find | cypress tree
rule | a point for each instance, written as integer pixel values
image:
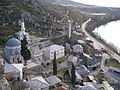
(73, 75)
(25, 52)
(54, 65)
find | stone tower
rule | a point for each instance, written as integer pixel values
(69, 29)
(22, 25)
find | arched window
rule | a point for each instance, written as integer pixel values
(19, 61)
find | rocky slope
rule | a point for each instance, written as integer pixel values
(41, 17)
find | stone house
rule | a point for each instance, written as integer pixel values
(14, 71)
(48, 52)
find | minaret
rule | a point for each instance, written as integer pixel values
(69, 28)
(21, 34)
(22, 25)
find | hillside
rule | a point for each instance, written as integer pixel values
(41, 17)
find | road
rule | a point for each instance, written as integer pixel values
(65, 16)
(97, 44)
(114, 75)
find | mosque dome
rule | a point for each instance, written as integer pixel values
(13, 42)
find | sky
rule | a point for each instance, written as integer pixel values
(106, 3)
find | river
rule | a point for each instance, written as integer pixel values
(110, 32)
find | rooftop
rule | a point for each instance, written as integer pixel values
(53, 80)
(59, 88)
(12, 53)
(87, 88)
(97, 51)
(77, 46)
(40, 78)
(37, 83)
(106, 86)
(81, 41)
(72, 58)
(114, 68)
(21, 32)
(13, 68)
(82, 70)
(53, 48)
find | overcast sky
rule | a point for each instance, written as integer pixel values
(107, 3)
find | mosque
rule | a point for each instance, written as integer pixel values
(12, 49)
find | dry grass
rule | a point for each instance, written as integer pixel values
(114, 64)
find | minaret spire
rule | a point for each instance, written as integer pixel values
(69, 28)
(22, 24)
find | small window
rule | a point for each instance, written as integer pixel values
(52, 52)
(19, 61)
(40, 46)
(18, 78)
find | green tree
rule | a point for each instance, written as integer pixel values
(25, 52)
(86, 64)
(73, 75)
(54, 65)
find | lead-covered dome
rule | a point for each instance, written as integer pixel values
(13, 42)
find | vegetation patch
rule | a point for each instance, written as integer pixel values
(40, 74)
(114, 64)
(62, 59)
(61, 73)
(88, 50)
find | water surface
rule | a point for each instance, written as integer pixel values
(110, 32)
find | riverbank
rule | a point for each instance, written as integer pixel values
(99, 43)
(101, 40)
(92, 25)
(107, 42)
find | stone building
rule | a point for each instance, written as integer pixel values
(37, 83)
(4, 85)
(77, 48)
(48, 52)
(14, 71)
(72, 60)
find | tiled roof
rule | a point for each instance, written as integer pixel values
(13, 68)
(37, 83)
(53, 80)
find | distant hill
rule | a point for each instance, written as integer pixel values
(38, 17)
(63, 2)
(57, 1)
(84, 7)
